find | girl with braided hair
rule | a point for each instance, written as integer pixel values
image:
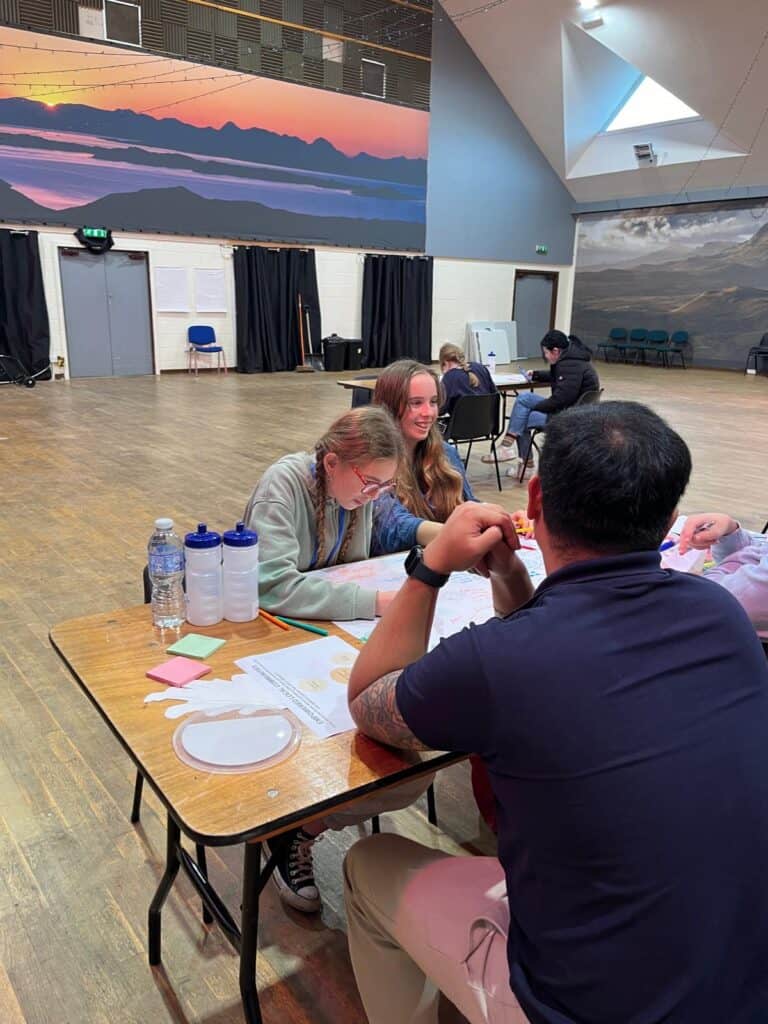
(311, 510)
(314, 509)
(431, 482)
(461, 377)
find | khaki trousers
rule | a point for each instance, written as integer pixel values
(420, 923)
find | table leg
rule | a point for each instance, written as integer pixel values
(253, 883)
(169, 876)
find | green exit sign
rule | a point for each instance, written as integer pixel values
(95, 233)
(542, 250)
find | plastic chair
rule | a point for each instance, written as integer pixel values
(202, 339)
(475, 418)
(636, 342)
(587, 398)
(757, 352)
(617, 337)
(658, 343)
(678, 343)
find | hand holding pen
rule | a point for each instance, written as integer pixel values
(704, 529)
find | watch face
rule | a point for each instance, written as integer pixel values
(413, 558)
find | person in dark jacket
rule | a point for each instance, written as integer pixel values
(461, 377)
(570, 373)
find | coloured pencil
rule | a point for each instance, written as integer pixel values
(271, 618)
(303, 625)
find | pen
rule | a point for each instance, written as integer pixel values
(667, 544)
(303, 625)
(272, 619)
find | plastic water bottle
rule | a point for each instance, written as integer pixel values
(165, 559)
(491, 363)
(241, 574)
(205, 591)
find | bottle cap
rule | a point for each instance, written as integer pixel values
(164, 524)
(241, 537)
(492, 354)
(202, 538)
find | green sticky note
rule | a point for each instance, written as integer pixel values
(195, 645)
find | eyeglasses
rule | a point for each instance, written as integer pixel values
(372, 488)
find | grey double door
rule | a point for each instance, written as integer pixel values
(106, 311)
(534, 309)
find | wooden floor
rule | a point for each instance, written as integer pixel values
(85, 468)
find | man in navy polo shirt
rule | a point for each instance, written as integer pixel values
(622, 713)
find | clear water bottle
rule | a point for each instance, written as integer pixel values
(205, 593)
(165, 559)
(241, 574)
(491, 363)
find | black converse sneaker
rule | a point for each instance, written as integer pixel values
(293, 874)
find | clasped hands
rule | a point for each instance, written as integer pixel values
(477, 535)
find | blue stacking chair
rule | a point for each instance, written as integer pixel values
(202, 339)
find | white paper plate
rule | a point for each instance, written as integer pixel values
(235, 742)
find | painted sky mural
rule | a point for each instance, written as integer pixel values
(92, 134)
(699, 268)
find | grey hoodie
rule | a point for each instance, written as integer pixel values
(282, 513)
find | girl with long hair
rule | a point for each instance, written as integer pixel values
(431, 482)
(461, 377)
(314, 509)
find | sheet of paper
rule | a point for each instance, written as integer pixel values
(692, 561)
(465, 598)
(677, 527)
(171, 290)
(210, 291)
(311, 680)
(509, 378)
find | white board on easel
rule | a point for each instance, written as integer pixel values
(499, 336)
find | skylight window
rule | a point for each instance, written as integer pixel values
(650, 103)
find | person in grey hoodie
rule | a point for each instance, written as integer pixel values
(311, 510)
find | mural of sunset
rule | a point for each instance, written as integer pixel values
(93, 134)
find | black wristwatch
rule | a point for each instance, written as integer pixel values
(414, 566)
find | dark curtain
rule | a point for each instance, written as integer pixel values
(397, 309)
(268, 283)
(24, 330)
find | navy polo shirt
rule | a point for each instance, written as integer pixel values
(623, 717)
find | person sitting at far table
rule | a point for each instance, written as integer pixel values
(461, 377)
(571, 374)
(626, 745)
(742, 561)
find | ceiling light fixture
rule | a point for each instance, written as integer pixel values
(589, 5)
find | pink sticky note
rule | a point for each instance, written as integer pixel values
(178, 671)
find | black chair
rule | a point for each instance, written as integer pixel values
(475, 418)
(362, 396)
(587, 398)
(757, 352)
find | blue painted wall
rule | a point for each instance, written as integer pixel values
(491, 194)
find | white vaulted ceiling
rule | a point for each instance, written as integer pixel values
(565, 82)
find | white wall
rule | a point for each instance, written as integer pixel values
(463, 290)
(169, 330)
(480, 290)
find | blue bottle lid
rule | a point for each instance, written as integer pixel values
(492, 354)
(241, 537)
(202, 538)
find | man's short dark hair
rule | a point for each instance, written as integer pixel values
(611, 477)
(555, 339)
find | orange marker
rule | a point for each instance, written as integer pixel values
(273, 620)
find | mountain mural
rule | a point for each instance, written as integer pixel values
(716, 289)
(340, 170)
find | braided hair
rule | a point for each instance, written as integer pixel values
(360, 435)
(453, 354)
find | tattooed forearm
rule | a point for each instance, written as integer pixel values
(376, 713)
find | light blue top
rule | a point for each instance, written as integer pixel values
(394, 527)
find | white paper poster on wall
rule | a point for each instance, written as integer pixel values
(171, 290)
(210, 291)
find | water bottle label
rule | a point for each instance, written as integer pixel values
(163, 563)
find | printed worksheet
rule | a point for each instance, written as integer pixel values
(310, 680)
(465, 599)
